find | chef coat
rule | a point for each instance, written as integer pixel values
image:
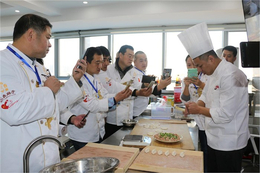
(28, 111)
(125, 109)
(226, 95)
(140, 102)
(194, 96)
(110, 84)
(97, 104)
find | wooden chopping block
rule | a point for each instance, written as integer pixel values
(125, 155)
(149, 128)
(192, 161)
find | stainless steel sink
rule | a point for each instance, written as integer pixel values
(91, 164)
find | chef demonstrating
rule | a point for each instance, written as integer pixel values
(97, 101)
(31, 99)
(224, 102)
(141, 102)
(122, 72)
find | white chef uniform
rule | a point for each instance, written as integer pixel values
(225, 94)
(97, 104)
(194, 95)
(28, 112)
(125, 109)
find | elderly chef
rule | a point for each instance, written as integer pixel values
(31, 99)
(122, 72)
(97, 100)
(224, 102)
(140, 65)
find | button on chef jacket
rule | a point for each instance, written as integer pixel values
(226, 94)
(29, 111)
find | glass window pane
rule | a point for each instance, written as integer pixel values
(96, 41)
(175, 55)
(49, 59)
(4, 44)
(68, 55)
(216, 38)
(149, 43)
(234, 39)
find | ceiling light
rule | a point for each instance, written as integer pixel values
(17, 11)
(85, 2)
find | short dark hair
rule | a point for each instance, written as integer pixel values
(124, 47)
(90, 52)
(104, 51)
(231, 49)
(186, 59)
(205, 55)
(28, 21)
(138, 52)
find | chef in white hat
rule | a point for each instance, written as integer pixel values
(224, 102)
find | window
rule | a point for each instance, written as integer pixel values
(216, 38)
(234, 39)
(96, 41)
(49, 59)
(68, 55)
(4, 44)
(149, 43)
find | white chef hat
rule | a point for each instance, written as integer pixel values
(196, 40)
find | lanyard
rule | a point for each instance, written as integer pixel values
(140, 70)
(195, 85)
(96, 89)
(26, 63)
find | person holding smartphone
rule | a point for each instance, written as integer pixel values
(140, 65)
(191, 91)
(96, 100)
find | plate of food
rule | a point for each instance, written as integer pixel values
(167, 137)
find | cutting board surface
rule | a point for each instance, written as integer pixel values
(149, 127)
(146, 161)
(125, 155)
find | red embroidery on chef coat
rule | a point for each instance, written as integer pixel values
(139, 80)
(86, 99)
(8, 104)
(216, 87)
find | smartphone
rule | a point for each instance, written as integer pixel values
(129, 84)
(151, 84)
(85, 116)
(250, 54)
(192, 72)
(167, 73)
(148, 79)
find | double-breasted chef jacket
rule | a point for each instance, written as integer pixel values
(29, 110)
(226, 94)
(125, 109)
(98, 105)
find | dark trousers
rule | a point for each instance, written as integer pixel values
(204, 148)
(110, 129)
(224, 161)
(78, 145)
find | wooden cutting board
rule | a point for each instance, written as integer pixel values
(191, 162)
(125, 155)
(149, 127)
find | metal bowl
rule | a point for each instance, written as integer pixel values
(91, 164)
(129, 122)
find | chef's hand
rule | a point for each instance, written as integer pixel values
(77, 120)
(192, 108)
(144, 92)
(77, 73)
(187, 81)
(164, 83)
(53, 83)
(123, 94)
(196, 81)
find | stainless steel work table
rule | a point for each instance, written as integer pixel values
(116, 138)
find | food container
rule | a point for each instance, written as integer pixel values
(129, 122)
(91, 164)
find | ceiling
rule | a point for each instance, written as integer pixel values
(74, 15)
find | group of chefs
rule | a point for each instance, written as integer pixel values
(33, 102)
